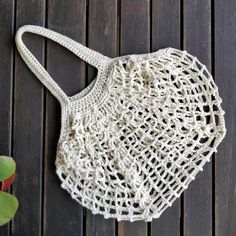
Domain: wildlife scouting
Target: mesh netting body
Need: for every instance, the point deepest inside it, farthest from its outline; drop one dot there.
(135, 152)
(133, 140)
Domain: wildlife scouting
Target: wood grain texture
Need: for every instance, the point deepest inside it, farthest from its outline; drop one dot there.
(197, 41)
(166, 24)
(102, 37)
(134, 39)
(28, 127)
(30, 115)
(166, 32)
(69, 72)
(137, 228)
(225, 74)
(6, 84)
(134, 26)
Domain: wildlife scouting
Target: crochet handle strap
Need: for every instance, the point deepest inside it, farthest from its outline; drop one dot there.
(90, 56)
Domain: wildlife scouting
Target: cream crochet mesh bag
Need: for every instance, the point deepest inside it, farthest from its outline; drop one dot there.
(137, 135)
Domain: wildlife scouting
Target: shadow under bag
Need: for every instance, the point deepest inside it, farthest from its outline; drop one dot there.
(133, 140)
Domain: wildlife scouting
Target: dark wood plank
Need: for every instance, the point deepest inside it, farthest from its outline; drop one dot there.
(225, 74)
(102, 37)
(134, 39)
(33, 111)
(28, 127)
(166, 24)
(63, 215)
(137, 228)
(134, 26)
(197, 41)
(6, 78)
(166, 32)
(96, 225)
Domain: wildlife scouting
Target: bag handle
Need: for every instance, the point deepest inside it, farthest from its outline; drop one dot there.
(92, 57)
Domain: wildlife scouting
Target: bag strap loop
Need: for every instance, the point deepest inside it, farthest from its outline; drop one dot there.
(92, 57)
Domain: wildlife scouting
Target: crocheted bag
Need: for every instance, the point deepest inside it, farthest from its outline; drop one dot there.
(137, 135)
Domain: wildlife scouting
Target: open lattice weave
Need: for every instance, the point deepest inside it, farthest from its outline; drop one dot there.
(133, 154)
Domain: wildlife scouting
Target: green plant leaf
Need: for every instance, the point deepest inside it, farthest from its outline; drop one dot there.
(7, 167)
(8, 207)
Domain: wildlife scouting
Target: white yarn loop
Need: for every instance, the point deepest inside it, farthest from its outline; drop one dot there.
(134, 139)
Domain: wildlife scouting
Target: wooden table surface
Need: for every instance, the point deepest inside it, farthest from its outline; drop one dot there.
(30, 115)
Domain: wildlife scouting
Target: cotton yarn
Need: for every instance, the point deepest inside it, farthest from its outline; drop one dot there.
(133, 140)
